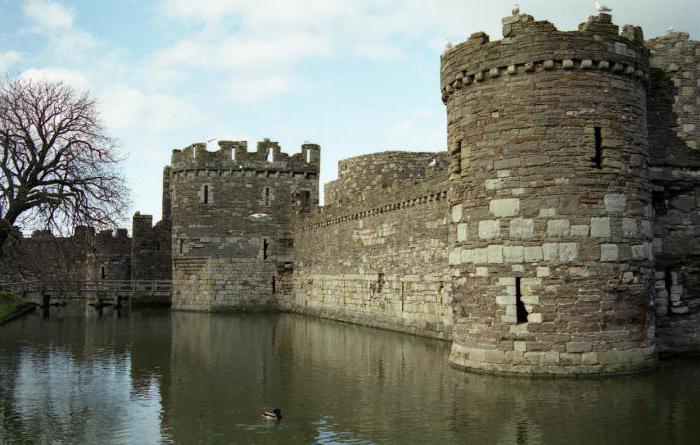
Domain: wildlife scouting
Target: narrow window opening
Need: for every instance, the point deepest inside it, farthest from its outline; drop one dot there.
(668, 283)
(181, 243)
(266, 196)
(659, 201)
(206, 194)
(233, 154)
(456, 160)
(265, 246)
(102, 272)
(308, 155)
(270, 155)
(598, 158)
(521, 312)
(158, 245)
(305, 200)
(274, 285)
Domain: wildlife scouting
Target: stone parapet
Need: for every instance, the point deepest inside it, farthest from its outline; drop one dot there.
(531, 46)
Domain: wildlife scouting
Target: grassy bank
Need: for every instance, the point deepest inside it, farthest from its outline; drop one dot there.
(10, 304)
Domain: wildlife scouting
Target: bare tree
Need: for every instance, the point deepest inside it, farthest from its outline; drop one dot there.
(58, 166)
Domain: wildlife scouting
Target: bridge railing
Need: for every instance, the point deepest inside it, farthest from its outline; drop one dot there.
(117, 287)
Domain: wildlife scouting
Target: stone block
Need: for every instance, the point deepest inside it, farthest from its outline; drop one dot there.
(509, 318)
(513, 254)
(608, 358)
(543, 272)
(629, 227)
(482, 272)
(462, 229)
(549, 358)
(548, 213)
(558, 228)
(531, 299)
(609, 252)
(600, 227)
(550, 251)
(519, 346)
(615, 203)
(506, 300)
(506, 281)
(579, 230)
(579, 347)
(480, 256)
(521, 228)
(568, 252)
(467, 256)
(493, 184)
(455, 257)
(534, 318)
(489, 229)
(533, 254)
(495, 254)
(642, 251)
(589, 358)
(504, 207)
(457, 213)
(494, 357)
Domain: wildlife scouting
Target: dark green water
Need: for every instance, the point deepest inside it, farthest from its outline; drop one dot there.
(150, 377)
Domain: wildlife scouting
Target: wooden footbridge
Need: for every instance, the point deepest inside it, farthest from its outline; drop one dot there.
(100, 292)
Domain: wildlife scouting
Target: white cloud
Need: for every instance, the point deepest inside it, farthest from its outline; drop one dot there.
(48, 14)
(55, 22)
(419, 130)
(257, 88)
(75, 78)
(7, 59)
(126, 110)
(242, 52)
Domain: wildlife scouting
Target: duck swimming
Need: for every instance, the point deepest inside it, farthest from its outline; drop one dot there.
(275, 414)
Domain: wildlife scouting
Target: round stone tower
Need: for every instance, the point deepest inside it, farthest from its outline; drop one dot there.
(550, 199)
(230, 220)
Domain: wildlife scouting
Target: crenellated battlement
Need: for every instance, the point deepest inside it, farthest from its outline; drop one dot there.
(234, 155)
(530, 46)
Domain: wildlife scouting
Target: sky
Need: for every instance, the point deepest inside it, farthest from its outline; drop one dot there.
(355, 76)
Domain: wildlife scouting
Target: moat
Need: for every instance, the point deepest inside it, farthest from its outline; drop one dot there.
(151, 376)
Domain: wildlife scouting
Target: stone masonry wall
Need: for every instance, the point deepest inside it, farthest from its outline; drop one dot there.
(358, 177)
(150, 249)
(674, 134)
(230, 220)
(550, 202)
(378, 261)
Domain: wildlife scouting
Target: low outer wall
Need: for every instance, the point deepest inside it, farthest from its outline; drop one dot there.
(383, 266)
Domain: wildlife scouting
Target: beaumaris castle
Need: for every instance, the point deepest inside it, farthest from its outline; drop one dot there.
(558, 234)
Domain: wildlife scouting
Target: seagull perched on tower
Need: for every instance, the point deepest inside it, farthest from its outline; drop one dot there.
(602, 8)
(433, 163)
(448, 46)
(516, 9)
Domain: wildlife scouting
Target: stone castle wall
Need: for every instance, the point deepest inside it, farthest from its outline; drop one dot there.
(549, 172)
(674, 137)
(85, 255)
(230, 220)
(377, 256)
(559, 234)
(150, 249)
(359, 177)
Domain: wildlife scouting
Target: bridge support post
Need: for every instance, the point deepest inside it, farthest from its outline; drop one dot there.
(45, 300)
(117, 301)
